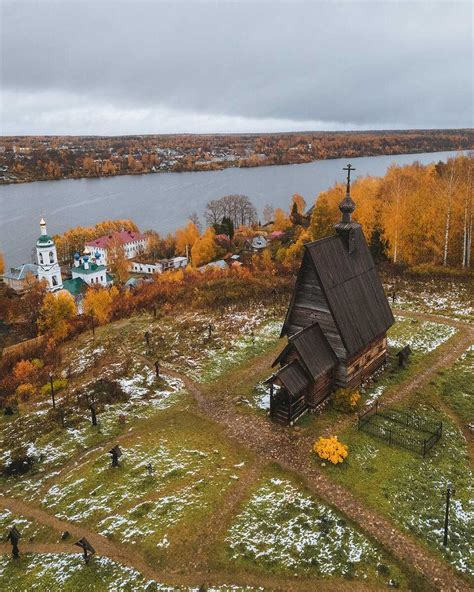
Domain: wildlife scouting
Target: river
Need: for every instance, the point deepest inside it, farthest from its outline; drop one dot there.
(163, 201)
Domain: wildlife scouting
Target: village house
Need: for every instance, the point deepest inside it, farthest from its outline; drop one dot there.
(19, 278)
(148, 266)
(133, 244)
(336, 322)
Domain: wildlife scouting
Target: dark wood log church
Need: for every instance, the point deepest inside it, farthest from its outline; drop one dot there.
(336, 322)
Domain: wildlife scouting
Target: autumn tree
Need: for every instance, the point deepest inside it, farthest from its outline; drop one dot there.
(186, 237)
(281, 220)
(298, 201)
(204, 249)
(98, 302)
(32, 301)
(2, 264)
(117, 260)
(56, 314)
(323, 217)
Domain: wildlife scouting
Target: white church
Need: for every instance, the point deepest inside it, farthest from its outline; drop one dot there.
(47, 260)
(87, 269)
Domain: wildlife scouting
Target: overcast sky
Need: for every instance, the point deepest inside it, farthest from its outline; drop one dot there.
(124, 67)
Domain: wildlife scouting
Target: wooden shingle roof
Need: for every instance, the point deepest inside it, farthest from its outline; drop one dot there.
(313, 350)
(352, 288)
(293, 377)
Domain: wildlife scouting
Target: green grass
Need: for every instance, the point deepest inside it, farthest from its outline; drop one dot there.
(411, 489)
(30, 531)
(452, 299)
(457, 387)
(193, 468)
(63, 572)
(283, 529)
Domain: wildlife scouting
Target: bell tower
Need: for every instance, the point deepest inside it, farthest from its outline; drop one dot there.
(47, 260)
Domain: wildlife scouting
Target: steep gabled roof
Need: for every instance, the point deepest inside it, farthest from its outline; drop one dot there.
(313, 349)
(293, 377)
(352, 288)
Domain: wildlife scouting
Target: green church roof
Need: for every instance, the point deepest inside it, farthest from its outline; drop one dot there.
(45, 238)
(75, 287)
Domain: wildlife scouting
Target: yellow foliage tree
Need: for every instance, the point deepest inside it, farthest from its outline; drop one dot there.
(24, 392)
(186, 237)
(331, 449)
(299, 201)
(2, 264)
(98, 302)
(56, 315)
(281, 221)
(204, 249)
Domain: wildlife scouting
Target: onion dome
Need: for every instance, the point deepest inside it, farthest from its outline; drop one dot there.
(347, 205)
(77, 256)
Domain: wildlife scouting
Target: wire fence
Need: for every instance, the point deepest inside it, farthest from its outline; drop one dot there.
(401, 428)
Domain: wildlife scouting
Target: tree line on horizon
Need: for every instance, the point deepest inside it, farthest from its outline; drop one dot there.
(34, 158)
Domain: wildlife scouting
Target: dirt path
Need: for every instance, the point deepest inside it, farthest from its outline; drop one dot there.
(130, 558)
(215, 529)
(276, 444)
(271, 443)
(443, 356)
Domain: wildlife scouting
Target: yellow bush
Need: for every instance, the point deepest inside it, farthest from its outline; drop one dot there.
(331, 449)
(346, 400)
(25, 391)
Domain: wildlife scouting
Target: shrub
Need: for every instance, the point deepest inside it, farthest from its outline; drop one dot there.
(59, 384)
(346, 400)
(25, 391)
(331, 449)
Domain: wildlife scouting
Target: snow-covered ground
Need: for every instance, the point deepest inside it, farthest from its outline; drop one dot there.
(285, 527)
(421, 336)
(63, 571)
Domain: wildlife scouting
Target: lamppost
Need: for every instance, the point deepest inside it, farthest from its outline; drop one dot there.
(52, 389)
(446, 516)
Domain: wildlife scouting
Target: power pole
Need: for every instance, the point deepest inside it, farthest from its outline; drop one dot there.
(446, 516)
(52, 389)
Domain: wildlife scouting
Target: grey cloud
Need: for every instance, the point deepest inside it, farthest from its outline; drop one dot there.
(357, 63)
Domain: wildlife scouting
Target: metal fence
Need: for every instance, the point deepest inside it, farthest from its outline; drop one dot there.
(401, 428)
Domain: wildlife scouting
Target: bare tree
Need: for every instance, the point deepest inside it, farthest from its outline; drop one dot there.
(238, 208)
(194, 218)
(268, 213)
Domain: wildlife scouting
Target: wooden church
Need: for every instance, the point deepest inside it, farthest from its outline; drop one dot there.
(336, 322)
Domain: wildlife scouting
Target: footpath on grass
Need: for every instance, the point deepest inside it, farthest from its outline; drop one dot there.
(291, 450)
(180, 576)
(274, 443)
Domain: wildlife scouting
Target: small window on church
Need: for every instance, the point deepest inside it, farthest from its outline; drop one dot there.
(51, 257)
(55, 280)
(41, 258)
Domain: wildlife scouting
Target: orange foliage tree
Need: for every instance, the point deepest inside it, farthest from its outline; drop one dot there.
(56, 314)
(99, 303)
(204, 249)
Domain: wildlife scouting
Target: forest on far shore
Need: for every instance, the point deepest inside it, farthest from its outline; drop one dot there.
(37, 158)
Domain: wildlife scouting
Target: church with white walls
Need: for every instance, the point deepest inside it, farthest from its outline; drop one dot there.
(47, 260)
(88, 269)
